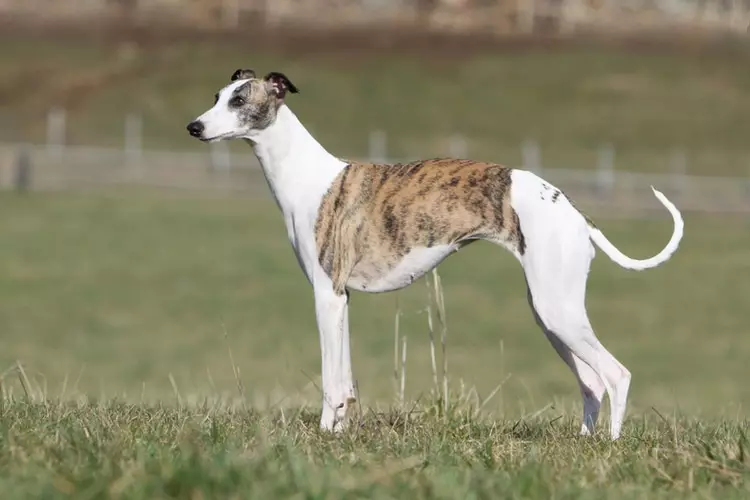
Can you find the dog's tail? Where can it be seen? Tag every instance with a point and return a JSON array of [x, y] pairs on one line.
[[640, 265]]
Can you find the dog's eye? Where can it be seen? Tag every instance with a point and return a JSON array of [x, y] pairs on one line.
[[216, 98], [237, 101]]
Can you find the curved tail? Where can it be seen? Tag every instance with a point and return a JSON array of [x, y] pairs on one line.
[[640, 265]]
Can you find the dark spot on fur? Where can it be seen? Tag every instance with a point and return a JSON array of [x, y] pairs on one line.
[[425, 222], [521, 240], [383, 177], [342, 190], [555, 195], [457, 169], [476, 204], [415, 169], [390, 221]]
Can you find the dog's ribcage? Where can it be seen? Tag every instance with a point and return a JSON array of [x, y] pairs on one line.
[[380, 227]]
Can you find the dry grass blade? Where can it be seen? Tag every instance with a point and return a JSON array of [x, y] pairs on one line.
[[431, 333], [396, 345], [176, 390], [403, 372], [235, 371], [493, 393], [25, 382], [440, 300]]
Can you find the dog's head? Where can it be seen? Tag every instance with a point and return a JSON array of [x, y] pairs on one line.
[[247, 104]]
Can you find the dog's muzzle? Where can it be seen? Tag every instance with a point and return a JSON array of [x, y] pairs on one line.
[[196, 129]]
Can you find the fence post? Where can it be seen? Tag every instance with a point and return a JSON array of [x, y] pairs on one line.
[[56, 129], [378, 147], [457, 147], [220, 156], [605, 170], [230, 14], [569, 15], [531, 155], [679, 171], [526, 16], [133, 137], [22, 177]]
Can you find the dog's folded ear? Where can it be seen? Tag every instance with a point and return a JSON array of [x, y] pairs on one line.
[[281, 84], [243, 74]]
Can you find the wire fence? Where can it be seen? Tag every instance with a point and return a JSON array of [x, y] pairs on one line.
[[220, 172]]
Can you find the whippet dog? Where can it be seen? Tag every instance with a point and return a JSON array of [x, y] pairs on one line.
[[377, 228]]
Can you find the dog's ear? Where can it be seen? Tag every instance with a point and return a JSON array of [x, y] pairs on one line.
[[243, 74], [280, 83]]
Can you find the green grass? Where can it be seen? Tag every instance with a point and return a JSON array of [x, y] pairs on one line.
[[646, 102], [130, 314], [114, 450]]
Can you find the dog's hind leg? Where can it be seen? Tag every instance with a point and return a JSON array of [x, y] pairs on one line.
[[591, 386], [556, 265]]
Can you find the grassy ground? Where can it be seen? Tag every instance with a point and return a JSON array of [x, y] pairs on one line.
[[644, 101], [112, 450]]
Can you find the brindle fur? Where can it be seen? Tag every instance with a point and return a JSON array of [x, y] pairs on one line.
[[373, 215]]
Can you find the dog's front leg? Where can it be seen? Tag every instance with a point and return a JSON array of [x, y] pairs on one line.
[[331, 310]]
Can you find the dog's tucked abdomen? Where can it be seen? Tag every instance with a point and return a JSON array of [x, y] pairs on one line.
[[367, 277], [380, 227]]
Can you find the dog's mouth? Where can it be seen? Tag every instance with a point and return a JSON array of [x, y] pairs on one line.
[[215, 138]]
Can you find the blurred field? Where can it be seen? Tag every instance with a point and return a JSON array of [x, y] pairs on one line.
[[571, 97], [109, 295]]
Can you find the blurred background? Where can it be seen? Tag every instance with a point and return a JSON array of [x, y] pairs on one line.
[[137, 263]]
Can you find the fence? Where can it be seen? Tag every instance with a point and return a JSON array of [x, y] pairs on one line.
[[55, 167]]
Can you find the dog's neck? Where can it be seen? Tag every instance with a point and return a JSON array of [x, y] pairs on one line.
[[299, 170]]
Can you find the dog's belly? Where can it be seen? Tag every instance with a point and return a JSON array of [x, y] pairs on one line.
[[383, 273]]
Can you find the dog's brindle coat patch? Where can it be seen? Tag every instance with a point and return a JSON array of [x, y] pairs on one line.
[[254, 103], [374, 214], [258, 100]]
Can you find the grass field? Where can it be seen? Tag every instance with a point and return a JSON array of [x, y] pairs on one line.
[[120, 451], [645, 101]]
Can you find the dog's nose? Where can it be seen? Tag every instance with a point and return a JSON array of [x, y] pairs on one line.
[[195, 128]]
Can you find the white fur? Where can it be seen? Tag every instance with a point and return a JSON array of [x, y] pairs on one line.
[[556, 262], [221, 124], [639, 265], [413, 266]]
